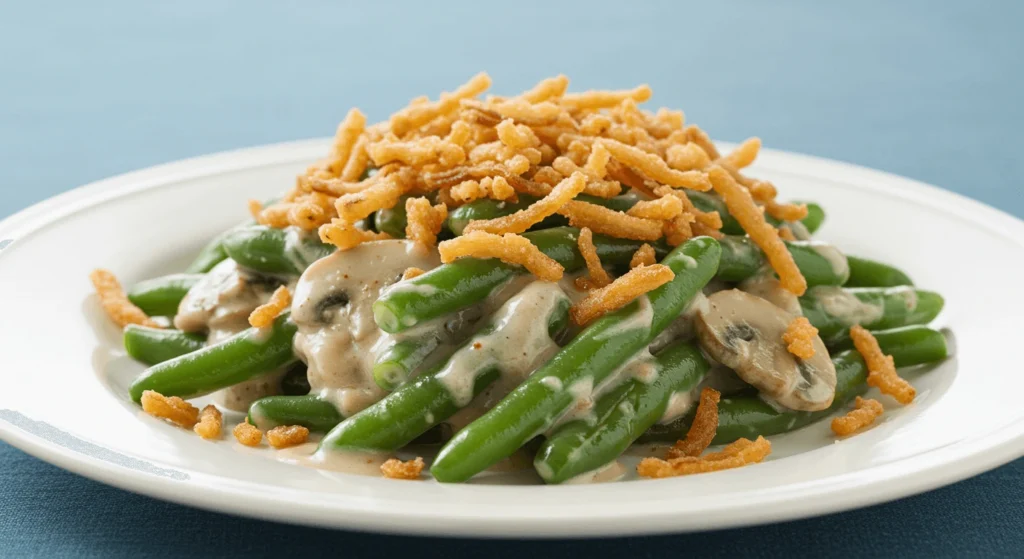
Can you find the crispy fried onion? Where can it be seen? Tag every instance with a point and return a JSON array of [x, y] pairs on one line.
[[881, 367], [736, 454], [799, 337], [509, 248], [265, 314], [115, 303], [702, 430], [742, 207], [634, 283], [423, 220], [394, 468], [596, 274], [865, 412]]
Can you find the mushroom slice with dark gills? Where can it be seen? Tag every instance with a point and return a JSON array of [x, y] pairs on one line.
[[744, 333], [332, 307]]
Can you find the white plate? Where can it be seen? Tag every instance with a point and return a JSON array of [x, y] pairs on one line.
[[64, 371]]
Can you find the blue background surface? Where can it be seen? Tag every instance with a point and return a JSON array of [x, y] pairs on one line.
[[90, 89]]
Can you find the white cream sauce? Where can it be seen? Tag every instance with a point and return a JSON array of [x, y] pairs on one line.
[[221, 302], [679, 403], [333, 308], [845, 306], [519, 342], [836, 260], [765, 285], [639, 320]]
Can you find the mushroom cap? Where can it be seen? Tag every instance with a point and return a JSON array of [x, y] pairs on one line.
[[744, 332]]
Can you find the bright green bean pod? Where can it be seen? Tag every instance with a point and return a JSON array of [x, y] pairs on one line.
[[274, 251], [622, 416], [909, 345], [396, 364], [209, 256], [467, 281], [392, 220], [815, 217], [310, 411], [832, 310], [750, 417], [430, 398], [588, 359], [241, 357], [869, 273], [820, 263], [160, 296], [156, 345]]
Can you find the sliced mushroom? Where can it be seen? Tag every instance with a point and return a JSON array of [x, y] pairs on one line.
[[744, 333], [353, 279]]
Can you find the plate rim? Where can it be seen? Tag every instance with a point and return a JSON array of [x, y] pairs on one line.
[[887, 481]]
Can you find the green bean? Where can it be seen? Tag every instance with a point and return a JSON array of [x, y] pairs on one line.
[[622, 416], [274, 251], [832, 310], [310, 411], [815, 217], [396, 364], [820, 263], [586, 361], [909, 345], [750, 417], [428, 400], [160, 296], [241, 357], [392, 220], [209, 256], [156, 345], [467, 281], [868, 273], [486, 208]]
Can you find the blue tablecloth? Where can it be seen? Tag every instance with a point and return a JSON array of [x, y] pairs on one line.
[[925, 89]]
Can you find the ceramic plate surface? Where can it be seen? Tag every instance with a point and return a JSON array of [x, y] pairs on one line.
[[65, 372]]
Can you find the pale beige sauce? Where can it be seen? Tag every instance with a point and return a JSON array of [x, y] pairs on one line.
[[519, 342], [679, 403], [337, 342], [836, 260], [220, 304], [765, 285], [845, 306]]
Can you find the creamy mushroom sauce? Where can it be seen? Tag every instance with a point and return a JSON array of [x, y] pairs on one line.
[[519, 341], [845, 306], [333, 308], [220, 305], [765, 285], [338, 338]]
